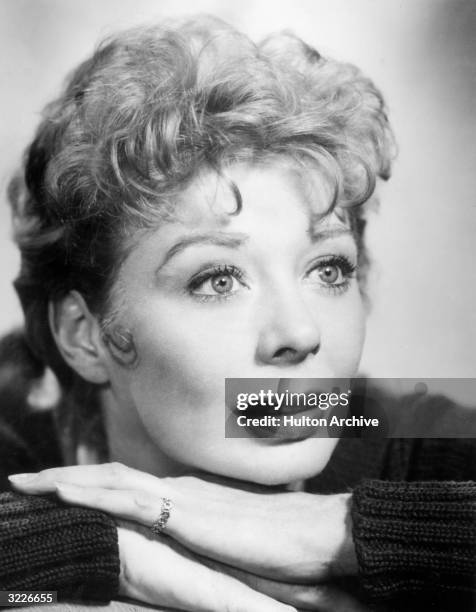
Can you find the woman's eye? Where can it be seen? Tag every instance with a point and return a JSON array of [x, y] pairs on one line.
[[221, 282], [333, 273], [330, 274]]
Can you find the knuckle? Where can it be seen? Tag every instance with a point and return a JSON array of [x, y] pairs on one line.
[[117, 470], [143, 501]]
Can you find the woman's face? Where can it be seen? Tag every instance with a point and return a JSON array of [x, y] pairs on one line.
[[267, 293]]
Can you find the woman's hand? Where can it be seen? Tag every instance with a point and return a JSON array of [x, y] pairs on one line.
[[274, 538], [160, 572]]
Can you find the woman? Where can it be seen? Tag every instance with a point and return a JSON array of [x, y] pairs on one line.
[[191, 211]]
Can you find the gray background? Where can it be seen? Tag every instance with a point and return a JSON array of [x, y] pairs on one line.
[[421, 53]]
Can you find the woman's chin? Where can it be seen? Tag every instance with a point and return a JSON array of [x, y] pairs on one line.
[[282, 464]]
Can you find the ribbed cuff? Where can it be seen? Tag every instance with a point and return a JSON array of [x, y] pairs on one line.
[[415, 538], [46, 545]]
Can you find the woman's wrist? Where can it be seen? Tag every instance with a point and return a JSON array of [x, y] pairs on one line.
[[345, 559]]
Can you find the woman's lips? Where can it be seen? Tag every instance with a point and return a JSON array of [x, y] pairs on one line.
[[277, 415], [264, 421]]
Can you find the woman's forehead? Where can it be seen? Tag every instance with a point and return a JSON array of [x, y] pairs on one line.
[[274, 215], [218, 197], [274, 199]]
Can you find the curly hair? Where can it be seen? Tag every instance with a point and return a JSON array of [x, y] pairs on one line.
[[150, 109]]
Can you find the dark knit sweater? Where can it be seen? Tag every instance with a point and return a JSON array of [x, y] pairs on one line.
[[414, 521], [413, 508], [50, 547], [44, 544]]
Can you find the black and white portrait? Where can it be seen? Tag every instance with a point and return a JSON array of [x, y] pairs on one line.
[[207, 207]]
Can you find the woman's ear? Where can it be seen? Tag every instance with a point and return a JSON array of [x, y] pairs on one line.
[[77, 334]]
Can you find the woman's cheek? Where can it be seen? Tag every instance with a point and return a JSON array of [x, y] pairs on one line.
[[342, 324], [353, 335]]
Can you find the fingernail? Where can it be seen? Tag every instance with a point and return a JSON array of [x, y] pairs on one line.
[[22, 478]]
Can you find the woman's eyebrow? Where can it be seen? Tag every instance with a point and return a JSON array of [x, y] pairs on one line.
[[317, 234], [231, 241]]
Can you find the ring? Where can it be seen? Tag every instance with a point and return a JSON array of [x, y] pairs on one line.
[[159, 525]]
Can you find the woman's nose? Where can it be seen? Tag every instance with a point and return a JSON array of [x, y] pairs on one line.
[[289, 332]]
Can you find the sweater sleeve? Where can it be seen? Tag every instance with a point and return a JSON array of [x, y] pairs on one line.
[[45, 545], [416, 538]]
